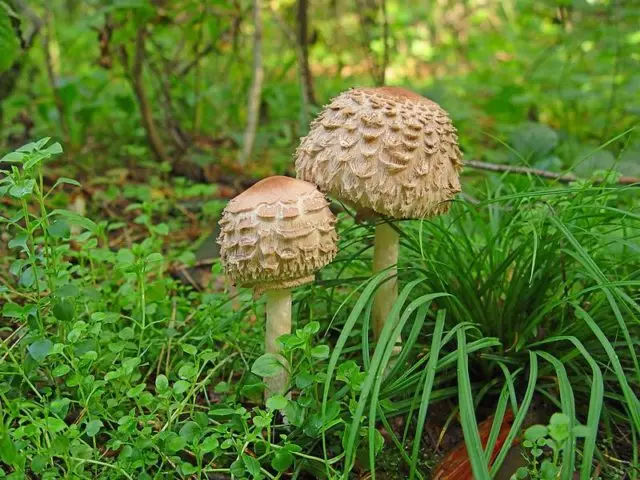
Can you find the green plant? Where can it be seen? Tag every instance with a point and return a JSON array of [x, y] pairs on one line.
[[552, 439]]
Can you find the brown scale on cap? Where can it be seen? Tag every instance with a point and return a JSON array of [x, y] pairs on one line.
[[386, 149], [277, 234]]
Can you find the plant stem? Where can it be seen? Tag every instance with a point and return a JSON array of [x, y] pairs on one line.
[[278, 323], [385, 257], [143, 309], [32, 259]]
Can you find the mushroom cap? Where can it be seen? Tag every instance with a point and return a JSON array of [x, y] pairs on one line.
[[386, 149], [277, 234]]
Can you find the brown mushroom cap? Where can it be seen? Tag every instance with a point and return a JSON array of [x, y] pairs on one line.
[[386, 149], [277, 234]]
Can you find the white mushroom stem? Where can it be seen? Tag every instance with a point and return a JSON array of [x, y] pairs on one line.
[[278, 323], [385, 255]]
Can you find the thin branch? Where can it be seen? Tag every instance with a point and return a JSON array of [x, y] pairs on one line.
[[53, 81], [562, 178], [297, 47], [196, 59], [135, 77], [181, 139], [255, 93]]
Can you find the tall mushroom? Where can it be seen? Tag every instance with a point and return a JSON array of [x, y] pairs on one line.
[[386, 150], [274, 236]]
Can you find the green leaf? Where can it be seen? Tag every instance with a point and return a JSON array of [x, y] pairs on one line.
[[267, 365], [55, 425], [65, 181], [559, 427], [209, 444], [282, 461], [93, 427], [125, 257], [40, 349], [64, 309], [277, 402], [126, 333], [304, 379], [59, 229], [22, 188], [9, 42], [174, 443], [19, 241], [252, 465], [134, 392], [190, 431], [188, 371], [312, 328], [181, 386], [188, 468], [320, 351], [189, 349], [162, 383], [76, 219], [8, 451], [12, 157], [39, 463], [535, 432], [154, 259], [61, 370]]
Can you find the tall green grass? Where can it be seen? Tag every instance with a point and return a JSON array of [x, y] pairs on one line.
[[540, 289]]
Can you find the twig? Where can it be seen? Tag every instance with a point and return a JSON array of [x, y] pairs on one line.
[[562, 178], [196, 60], [255, 93]]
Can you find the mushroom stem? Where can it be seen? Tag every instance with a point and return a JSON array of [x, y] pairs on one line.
[[278, 323], [385, 255]]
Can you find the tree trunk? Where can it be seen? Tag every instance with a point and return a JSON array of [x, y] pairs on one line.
[[303, 41]]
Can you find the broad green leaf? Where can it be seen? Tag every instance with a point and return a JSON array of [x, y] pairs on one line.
[[40, 349], [267, 365], [93, 427]]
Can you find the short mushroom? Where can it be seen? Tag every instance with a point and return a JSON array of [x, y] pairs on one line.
[[275, 236], [386, 150]]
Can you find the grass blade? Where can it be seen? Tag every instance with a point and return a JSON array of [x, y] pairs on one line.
[[522, 411], [430, 373], [632, 401], [568, 408], [467, 414], [595, 403]]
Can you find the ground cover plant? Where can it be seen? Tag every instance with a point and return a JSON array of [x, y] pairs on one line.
[[124, 351]]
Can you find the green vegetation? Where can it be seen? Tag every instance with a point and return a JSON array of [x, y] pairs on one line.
[[125, 354]]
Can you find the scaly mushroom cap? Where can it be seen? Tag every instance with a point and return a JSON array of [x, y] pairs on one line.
[[386, 149], [277, 234]]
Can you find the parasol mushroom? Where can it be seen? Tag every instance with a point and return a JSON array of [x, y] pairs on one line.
[[386, 150], [274, 236]]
